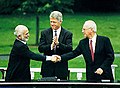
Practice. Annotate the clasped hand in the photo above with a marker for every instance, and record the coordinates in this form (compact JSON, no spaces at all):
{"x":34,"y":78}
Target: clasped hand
{"x":55,"y":58}
{"x":54,"y":42}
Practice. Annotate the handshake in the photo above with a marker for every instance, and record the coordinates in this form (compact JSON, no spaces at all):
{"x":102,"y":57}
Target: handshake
{"x":55,"y":58}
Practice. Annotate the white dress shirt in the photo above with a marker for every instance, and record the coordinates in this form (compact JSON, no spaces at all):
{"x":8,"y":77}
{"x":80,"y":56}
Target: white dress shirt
{"x":58,"y":32}
{"x":21,"y":41}
{"x":93,"y":42}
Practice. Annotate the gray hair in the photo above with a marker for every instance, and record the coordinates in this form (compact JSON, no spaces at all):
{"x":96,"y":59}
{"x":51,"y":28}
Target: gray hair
{"x":57,"y":15}
{"x":90,"y":24}
{"x":19,"y":30}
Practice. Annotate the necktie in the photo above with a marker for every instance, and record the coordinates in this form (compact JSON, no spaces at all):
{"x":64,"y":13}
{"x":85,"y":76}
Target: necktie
{"x":91,"y":50}
{"x":55,"y":33}
{"x":55,"y":45}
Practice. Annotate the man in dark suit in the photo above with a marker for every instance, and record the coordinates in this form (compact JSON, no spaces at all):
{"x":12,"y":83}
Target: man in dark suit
{"x":55,"y":40}
{"x":98,"y":54}
{"x":19,"y":61}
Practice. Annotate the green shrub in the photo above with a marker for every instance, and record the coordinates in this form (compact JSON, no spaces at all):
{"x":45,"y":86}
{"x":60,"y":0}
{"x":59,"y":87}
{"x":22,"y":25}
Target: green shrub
{"x":8,"y":6}
{"x":46,"y":6}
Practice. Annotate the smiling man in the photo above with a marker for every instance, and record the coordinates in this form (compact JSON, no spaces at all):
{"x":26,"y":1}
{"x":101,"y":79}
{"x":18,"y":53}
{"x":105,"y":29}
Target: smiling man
{"x":19,"y":61}
{"x":55,"y":40}
{"x":97,"y":51}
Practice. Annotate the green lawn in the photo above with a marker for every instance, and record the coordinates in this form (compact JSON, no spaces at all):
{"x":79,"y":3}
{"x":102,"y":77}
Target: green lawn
{"x":108,"y":25}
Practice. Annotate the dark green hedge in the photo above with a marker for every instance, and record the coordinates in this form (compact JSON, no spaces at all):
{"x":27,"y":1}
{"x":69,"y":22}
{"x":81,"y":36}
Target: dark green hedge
{"x":45,"y":6}
{"x":8,"y":6}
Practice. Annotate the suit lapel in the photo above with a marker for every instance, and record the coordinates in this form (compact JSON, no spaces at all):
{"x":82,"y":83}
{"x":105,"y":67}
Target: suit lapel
{"x":87,"y":48}
{"x":87,"y":44}
{"x":61,"y":36}
{"x":97,"y":45}
{"x":50,"y":35}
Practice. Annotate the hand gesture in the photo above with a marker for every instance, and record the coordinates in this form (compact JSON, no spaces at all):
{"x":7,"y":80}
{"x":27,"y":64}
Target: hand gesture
{"x":54,"y":42}
{"x":99,"y":71}
{"x":55,"y":58}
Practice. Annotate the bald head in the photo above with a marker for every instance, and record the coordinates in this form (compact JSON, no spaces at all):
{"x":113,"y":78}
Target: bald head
{"x":22,"y":32}
{"x":90,"y":24}
{"x":19,"y":30}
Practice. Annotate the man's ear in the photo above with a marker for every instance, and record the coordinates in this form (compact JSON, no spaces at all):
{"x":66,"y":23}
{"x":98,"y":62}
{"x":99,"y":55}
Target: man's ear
{"x":19,"y":37}
{"x":60,"y":22}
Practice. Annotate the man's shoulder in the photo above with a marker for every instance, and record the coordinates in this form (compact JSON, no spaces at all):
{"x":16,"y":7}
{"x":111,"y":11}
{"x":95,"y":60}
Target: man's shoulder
{"x":45,"y":30}
{"x":84,"y":39}
{"x":66,"y":31}
{"x":102,"y":37}
{"x":18,"y":44}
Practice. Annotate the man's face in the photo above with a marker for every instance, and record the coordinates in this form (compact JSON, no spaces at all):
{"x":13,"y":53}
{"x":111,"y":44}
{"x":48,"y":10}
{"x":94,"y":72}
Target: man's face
{"x":25,"y":35}
{"x":54,"y":23}
{"x":86,"y":32}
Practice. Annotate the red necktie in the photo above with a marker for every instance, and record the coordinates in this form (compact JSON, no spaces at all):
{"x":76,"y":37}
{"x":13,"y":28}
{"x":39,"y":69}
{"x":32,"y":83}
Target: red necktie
{"x":91,"y":50}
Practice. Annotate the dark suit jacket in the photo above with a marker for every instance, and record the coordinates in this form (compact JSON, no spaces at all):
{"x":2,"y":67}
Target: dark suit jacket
{"x":19,"y":62}
{"x":59,"y":69}
{"x":103,"y":57}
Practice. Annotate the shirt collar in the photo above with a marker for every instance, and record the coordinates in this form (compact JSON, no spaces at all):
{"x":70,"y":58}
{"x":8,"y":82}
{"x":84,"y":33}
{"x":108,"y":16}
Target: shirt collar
{"x":58,"y":30}
{"x":21,"y":41}
{"x":94,"y":37}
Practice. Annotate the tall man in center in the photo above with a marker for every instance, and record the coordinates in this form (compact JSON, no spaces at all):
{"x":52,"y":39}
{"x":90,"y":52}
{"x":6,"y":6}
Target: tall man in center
{"x":55,"y":40}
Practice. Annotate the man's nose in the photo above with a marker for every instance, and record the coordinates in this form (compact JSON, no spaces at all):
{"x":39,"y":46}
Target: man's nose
{"x":28,"y":35}
{"x":82,"y":31}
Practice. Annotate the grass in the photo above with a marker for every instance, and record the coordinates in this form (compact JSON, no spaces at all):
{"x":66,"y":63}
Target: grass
{"x":108,"y":25}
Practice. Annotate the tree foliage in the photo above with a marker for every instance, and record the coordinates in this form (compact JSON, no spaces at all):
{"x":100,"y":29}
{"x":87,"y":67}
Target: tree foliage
{"x":8,"y":6}
{"x":35,"y":6}
{"x":44,"y":6}
{"x":96,"y":5}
